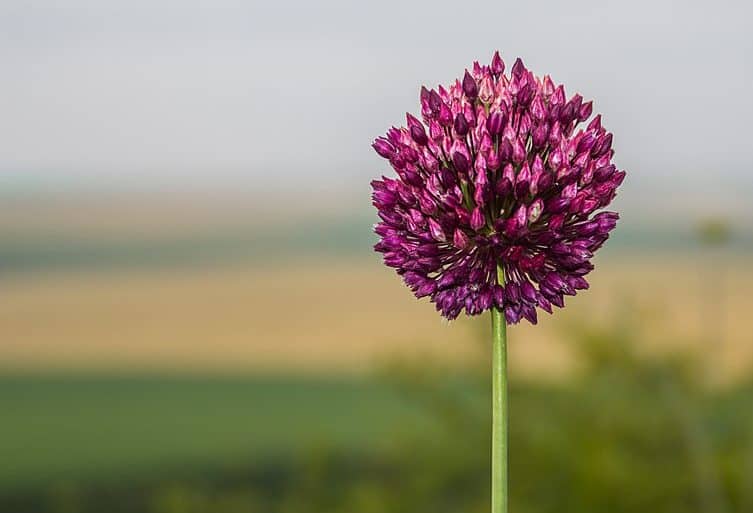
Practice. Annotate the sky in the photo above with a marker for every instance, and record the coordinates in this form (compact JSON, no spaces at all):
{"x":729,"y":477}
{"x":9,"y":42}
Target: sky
{"x":289,"y":94}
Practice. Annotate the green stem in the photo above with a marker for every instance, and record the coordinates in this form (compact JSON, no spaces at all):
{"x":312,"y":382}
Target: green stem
{"x":499,"y":407}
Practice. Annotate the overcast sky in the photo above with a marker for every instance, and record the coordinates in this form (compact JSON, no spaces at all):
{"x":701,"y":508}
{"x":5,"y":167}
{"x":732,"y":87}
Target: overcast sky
{"x":273,"y":91}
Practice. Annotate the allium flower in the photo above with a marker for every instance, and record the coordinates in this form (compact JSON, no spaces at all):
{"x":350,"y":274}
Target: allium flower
{"x":496,"y":174}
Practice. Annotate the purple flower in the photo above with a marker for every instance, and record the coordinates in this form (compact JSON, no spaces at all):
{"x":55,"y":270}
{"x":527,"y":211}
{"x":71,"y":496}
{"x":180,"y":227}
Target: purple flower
{"x":496,"y":174}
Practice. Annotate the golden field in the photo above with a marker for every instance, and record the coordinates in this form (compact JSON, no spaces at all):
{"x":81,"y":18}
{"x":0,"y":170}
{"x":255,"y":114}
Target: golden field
{"x":348,"y":315}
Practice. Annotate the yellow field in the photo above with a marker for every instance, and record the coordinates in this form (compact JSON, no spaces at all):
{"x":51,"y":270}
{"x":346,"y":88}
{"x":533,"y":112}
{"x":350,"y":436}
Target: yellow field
{"x":345,"y":316}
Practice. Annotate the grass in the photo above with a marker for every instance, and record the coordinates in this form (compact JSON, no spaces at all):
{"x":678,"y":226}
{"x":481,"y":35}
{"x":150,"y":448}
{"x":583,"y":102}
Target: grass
{"x":88,"y":428}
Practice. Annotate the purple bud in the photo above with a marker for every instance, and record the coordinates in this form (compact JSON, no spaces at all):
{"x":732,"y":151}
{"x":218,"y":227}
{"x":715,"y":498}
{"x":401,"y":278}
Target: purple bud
{"x":426,"y":111}
{"x":567,"y":114}
{"x":412,"y":120}
{"x":503,"y":187}
{"x":518,"y":151}
{"x":585,"y":111}
{"x":586,"y":143}
{"x":477,"y":219}
{"x":539,"y":136}
{"x":523,"y":182}
{"x":384,"y":148}
{"x":518,"y":68}
{"x":528,"y":292}
{"x":409,"y":154}
{"x":556,"y":159}
{"x":603,"y":173}
{"x":557,"y":300}
{"x":505,"y":151}
{"x":461,"y":125}
{"x":486,"y":89}
{"x":607,"y":220}
{"x":557,"y":205}
{"x":460,"y":162}
{"x":485,"y":298}
{"x":445,"y":115}
{"x":512,"y":314}
{"x":577,"y":101}
{"x":538,"y":111}
{"x":525,"y":95}
{"x":496,"y":122}
{"x":529,"y":312}
{"x":595,"y":124}
{"x":425,"y":289}
{"x":498,"y":65}
{"x":435,"y":131}
{"x":577,"y":282}
{"x":535,"y":210}
{"x":516,"y":222}
{"x":512,"y":292}
{"x":435,"y":102}
{"x":554,"y":281}
{"x":544,"y":182}
{"x":499,"y":296}
{"x":604,"y":147}
{"x":460,"y":239}
{"x":436,"y":231}
{"x":570,"y":191}
{"x":469,"y":86}
{"x":545,"y":304}
{"x":418,"y":134}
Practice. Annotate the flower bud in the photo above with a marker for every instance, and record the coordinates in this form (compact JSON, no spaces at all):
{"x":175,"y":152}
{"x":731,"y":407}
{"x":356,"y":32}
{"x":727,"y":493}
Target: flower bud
{"x":460,"y":162}
{"x":418,"y":134}
{"x":525,"y":95}
{"x":435,"y":102}
{"x":445,"y":115}
{"x":384,"y":148}
{"x":603,"y":173}
{"x":539,"y":136}
{"x":586,"y":143}
{"x":538,"y":111}
{"x":544,"y":182}
{"x":512,"y":314}
{"x":496,"y":122}
{"x":426,"y":110}
{"x":595,"y":124}
{"x":518,"y":151}
{"x":460,"y":239}
{"x":604,"y":146}
{"x":469,"y":86}
{"x":436,"y":231}
{"x":486,"y":89}
{"x":505,"y":150}
{"x":585,"y":111}
{"x":417,"y":131}
{"x":523,"y":182}
{"x":461,"y":125}
{"x":535,"y":210}
{"x":477,"y":219}
{"x":518,"y":69}
{"x":528,"y":292}
{"x":498,"y":65}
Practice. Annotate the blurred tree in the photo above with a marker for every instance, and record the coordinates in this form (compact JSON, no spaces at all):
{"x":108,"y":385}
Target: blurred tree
{"x":714,"y":231}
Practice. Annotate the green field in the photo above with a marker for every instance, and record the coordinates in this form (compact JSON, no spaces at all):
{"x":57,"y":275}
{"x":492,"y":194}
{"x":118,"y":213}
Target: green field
{"x":83,"y":428}
{"x":627,"y":435}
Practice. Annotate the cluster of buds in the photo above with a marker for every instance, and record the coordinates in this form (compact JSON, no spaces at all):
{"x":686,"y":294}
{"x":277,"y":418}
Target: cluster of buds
{"x":497,"y":196}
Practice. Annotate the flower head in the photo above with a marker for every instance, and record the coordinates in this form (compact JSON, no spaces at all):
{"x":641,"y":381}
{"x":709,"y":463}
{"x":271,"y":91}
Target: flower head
{"x":497,"y":196}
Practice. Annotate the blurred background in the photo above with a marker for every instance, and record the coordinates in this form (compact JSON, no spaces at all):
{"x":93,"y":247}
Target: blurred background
{"x":192,"y":318}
